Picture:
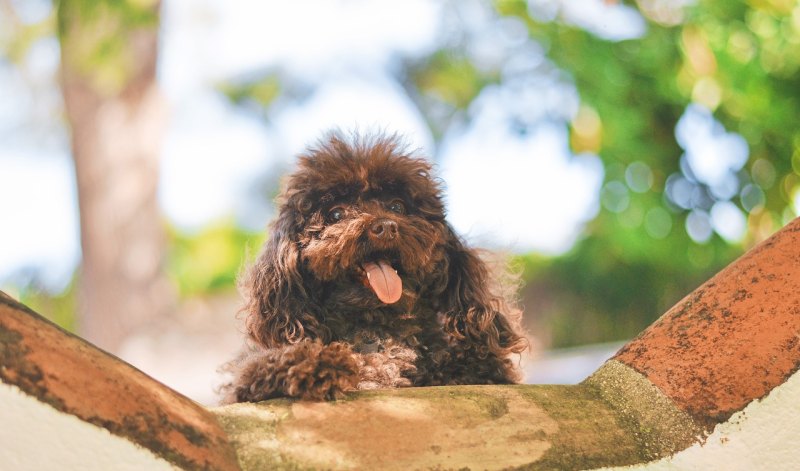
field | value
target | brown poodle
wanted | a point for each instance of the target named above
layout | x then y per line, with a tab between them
364	285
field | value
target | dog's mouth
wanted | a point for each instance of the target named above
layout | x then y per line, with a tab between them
382	278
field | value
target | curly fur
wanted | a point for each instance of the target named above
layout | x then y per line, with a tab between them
317	331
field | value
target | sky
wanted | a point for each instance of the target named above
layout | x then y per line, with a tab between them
508	191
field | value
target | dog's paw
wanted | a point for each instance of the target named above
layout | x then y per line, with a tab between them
255	378
392	368
325	372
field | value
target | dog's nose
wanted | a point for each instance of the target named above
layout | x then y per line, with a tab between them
384	229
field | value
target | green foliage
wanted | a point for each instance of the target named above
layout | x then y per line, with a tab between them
99	38
199	264
444	84
60	308
602	291
210	260
636	258
756	65
450	78
262	91
737	59
16	37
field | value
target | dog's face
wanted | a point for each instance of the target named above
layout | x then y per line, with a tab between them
361	239
367	221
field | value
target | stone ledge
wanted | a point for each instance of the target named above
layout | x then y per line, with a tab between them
74	377
453	427
712	384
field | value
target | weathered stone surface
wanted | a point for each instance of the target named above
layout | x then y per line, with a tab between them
660	427
761	437
76	378
712	385
733	339
473	427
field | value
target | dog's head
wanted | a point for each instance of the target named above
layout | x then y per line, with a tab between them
361	225
365	215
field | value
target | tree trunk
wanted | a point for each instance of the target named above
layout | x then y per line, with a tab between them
116	113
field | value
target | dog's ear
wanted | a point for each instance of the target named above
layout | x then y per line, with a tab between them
475	307
277	308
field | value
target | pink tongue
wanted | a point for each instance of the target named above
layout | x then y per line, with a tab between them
384	281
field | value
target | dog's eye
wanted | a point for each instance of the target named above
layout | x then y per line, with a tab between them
397	206
336	214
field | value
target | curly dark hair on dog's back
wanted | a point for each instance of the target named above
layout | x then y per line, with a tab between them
357	210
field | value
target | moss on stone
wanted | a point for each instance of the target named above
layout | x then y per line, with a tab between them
658	425
590	433
248	425
461	427
613	419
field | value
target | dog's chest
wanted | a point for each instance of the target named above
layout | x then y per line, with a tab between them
383	341
377	332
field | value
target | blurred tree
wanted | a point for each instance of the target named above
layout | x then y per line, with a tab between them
209	261
693	116
664	109
116	115
666	221
737	60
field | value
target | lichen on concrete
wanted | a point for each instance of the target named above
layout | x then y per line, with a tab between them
591	432
251	430
459	427
660	427
763	436
419	428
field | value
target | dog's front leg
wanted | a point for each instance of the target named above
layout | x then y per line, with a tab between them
305	370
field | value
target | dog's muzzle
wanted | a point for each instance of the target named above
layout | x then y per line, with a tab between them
383	230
